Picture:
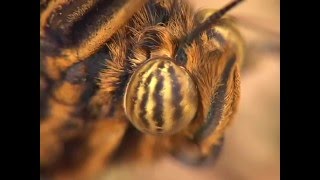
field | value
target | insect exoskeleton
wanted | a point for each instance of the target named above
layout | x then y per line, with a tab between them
161	98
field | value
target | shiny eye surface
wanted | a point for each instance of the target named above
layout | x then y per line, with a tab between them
161	97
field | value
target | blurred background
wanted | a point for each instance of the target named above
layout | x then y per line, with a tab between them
252	144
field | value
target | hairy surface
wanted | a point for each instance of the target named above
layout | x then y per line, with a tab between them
84	128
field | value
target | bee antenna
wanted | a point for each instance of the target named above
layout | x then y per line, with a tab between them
212	19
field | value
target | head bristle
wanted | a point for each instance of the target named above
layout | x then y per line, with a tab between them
212	19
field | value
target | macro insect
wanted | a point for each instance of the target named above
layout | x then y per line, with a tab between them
134	80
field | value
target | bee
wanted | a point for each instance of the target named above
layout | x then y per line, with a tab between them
134	80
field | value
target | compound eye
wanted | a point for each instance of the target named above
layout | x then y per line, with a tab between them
161	97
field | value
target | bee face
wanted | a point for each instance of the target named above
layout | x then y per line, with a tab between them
163	70
161	97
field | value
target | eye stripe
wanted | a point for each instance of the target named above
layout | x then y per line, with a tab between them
144	102
176	96
158	98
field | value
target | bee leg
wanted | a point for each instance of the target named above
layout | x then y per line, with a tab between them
89	153
190	154
148	148
83	151
62	105
217	150
90	156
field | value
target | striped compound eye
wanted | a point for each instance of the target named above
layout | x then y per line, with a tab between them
161	97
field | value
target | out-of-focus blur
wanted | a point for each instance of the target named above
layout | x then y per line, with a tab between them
252	143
